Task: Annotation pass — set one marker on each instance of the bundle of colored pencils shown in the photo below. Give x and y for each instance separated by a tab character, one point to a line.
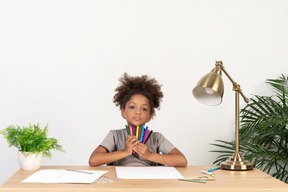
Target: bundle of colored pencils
135	131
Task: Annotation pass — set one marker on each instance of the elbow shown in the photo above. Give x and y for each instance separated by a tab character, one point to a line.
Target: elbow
183	163
92	162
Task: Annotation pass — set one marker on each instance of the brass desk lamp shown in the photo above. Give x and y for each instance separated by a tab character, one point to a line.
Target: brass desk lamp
209	90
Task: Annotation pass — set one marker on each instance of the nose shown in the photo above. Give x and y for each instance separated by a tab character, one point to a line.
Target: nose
137	111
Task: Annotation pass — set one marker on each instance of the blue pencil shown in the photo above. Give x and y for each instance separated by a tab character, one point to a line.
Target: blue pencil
142	134
213	169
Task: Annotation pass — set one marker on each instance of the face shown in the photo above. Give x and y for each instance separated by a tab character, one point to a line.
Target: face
137	110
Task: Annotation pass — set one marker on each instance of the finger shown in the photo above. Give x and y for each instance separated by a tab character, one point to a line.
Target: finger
137	150
131	139
135	143
138	147
141	145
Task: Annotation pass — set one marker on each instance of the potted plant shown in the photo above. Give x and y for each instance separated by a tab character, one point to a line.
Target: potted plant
263	134
32	143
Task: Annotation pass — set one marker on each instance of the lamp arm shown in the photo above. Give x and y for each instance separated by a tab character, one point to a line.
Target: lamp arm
236	87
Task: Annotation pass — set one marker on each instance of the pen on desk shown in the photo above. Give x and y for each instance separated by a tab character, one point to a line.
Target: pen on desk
213	169
209	173
192	180
79	171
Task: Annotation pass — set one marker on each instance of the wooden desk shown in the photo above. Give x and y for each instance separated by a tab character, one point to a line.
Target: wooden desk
232	181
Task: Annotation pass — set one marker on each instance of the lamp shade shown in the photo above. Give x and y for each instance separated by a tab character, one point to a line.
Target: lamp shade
210	88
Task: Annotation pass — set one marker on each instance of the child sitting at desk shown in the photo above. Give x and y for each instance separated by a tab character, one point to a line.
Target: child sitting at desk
137	97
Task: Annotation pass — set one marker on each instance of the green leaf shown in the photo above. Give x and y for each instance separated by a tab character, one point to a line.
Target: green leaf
31	139
263	132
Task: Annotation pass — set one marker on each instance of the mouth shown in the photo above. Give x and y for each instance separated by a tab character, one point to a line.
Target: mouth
137	118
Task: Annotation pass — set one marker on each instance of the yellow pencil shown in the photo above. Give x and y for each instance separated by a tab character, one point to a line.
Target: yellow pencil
137	131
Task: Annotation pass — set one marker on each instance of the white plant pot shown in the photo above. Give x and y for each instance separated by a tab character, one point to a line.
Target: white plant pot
30	161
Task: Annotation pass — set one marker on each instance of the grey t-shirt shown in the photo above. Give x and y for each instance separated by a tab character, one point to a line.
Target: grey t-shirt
115	141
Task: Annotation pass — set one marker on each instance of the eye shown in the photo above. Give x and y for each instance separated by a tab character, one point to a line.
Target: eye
144	109
131	107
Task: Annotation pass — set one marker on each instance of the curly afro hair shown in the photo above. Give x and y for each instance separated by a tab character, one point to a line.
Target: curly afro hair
143	85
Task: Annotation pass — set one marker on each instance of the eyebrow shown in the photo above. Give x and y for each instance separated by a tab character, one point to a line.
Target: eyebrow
135	103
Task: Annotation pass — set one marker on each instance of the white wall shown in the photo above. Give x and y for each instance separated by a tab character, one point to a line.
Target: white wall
60	62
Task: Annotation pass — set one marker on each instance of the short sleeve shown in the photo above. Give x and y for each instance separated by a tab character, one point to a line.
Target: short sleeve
109	142
164	145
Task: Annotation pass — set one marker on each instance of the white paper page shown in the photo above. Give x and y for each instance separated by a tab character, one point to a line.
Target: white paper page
63	176
148	173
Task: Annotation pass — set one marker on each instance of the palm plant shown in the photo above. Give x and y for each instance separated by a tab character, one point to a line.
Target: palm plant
263	133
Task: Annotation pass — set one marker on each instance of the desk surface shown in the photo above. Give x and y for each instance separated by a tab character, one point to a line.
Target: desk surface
232	181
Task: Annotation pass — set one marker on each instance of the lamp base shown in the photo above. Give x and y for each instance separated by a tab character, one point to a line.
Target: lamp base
237	163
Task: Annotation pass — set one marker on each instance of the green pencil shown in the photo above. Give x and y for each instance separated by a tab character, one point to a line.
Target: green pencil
127	129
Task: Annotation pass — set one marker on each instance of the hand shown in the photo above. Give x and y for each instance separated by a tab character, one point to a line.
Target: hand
142	150
130	142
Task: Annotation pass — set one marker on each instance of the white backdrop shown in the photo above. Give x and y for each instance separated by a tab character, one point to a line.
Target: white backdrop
60	62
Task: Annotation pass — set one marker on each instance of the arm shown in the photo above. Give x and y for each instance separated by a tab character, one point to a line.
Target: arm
101	155
174	158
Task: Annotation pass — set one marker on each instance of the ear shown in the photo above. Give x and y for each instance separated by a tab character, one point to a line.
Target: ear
123	113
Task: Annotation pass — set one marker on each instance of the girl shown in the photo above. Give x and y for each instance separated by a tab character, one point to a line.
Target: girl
137	98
